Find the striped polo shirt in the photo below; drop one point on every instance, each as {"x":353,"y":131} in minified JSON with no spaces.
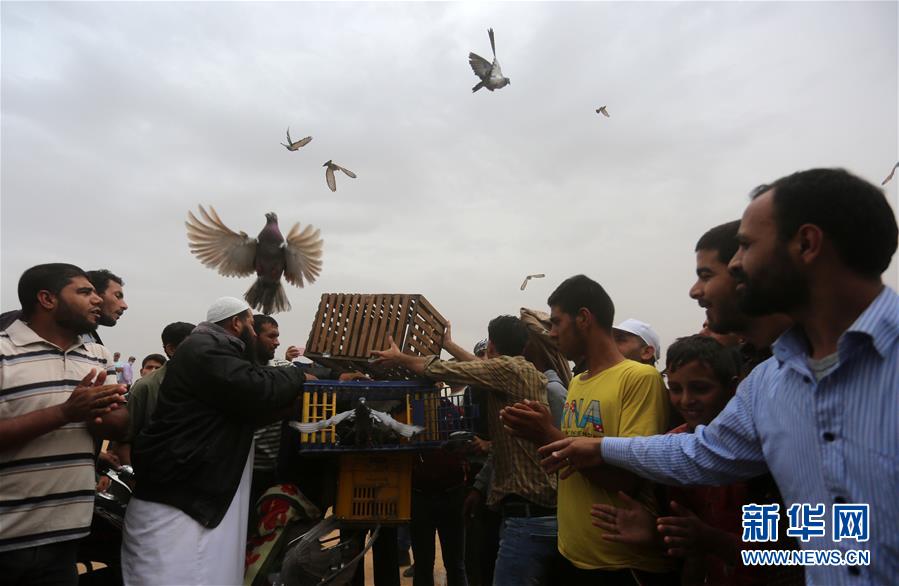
{"x":46,"y":485}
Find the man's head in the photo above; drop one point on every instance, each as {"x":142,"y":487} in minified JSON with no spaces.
{"x":579,"y":307}
{"x":267,"y":333}
{"x":638,"y":341}
{"x":131,"y":359}
{"x":235,"y":317}
{"x":173,"y":334}
{"x":805,"y":226}
{"x":150,"y":363}
{"x":702,"y":377}
{"x":506,"y":336}
{"x":59,"y":293}
{"x":116,"y":356}
{"x":109,"y":288}
{"x":715,"y":287}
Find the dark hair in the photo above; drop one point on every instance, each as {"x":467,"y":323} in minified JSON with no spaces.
{"x":175,"y":332}
{"x":100,"y":280}
{"x":260,"y":320}
{"x":580,"y":291}
{"x":52,"y":277}
{"x":722,"y":239}
{"x":853,"y":213}
{"x":508,"y":334}
{"x":155,"y":357}
{"x":723,"y":361}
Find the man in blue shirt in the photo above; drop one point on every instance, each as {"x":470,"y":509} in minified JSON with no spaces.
{"x":823,"y":413}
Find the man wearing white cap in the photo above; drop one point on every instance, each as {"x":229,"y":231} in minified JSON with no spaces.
{"x":187,"y":522}
{"x":638,"y":341}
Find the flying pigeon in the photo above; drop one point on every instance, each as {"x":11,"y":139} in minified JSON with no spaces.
{"x":529,"y":277}
{"x":491,"y":75}
{"x":890,"y":176}
{"x":602,"y":110}
{"x":329,"y":174}
{"x":292,"y":146}
{"x":269,"y":255}
{"x":366,"y":419}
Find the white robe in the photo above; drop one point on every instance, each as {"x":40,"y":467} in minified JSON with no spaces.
{"x":163,"y":546}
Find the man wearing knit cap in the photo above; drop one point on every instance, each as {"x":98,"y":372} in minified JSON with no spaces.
{"x":638,"y":341}
{"x":187,"y":521}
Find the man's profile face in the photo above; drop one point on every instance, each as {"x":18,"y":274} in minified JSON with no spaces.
{"x":715,"y":290}
{"x":630,"y":345}
{"x":267,"y":342}
{"x":768,"y":280}
{"x":564,"y":332}
{"x":113,"y":304}
{"x":78,"y":306}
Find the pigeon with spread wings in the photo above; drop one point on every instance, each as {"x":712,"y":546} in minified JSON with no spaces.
{"x":603,"y":110}
{"x":490,"y":74}
{"x":365,"y":418}
{"x":269,"y":255}
{"x":329,"y":174}
{"x":890,"y":176}
{"x":529,"y":277}
{"x":292,"y":146}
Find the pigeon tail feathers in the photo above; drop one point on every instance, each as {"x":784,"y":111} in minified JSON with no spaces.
{"x":268,"y":298}
{"x":477,"y":87}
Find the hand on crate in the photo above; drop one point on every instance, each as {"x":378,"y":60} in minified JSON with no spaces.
{"x":392,"y":356}
{"x":292,"y":353}
{"x":355,"y":375}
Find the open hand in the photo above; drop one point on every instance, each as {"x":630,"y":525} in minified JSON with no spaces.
{"x":292,"y":353}
{"x":389,"y":357}
{"x":530,"y":420}
{"x":683,"y":532}
{"x":570,"y":455}
{"x":91,"y":399}
{"x":629,"y":523}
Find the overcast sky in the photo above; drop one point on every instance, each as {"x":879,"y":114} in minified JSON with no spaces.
{"x":119,"y":118}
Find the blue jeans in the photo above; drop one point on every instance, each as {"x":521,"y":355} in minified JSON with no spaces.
{"x":528,"y":551}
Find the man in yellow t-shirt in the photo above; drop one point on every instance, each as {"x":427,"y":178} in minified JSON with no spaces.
{"x":614,"y":397}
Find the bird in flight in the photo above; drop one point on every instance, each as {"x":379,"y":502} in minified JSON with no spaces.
{"x":490,"y":74}
{"x":602,"y":110}
{"x":890,"y":176}
{"x":292,"y":146}
{"x":269,"y":255}
{"x":329,"y":174}
{"x":529,"y":277}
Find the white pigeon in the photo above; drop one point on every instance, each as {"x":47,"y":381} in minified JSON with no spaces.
{"x":890,"y":176}
{"x":292,"y":146}
{"x":602,"y":110}
{"x":329,"y":174}
{"x":380,"y":417}
{"x":491,"y":75}
{"x":529,"y":277}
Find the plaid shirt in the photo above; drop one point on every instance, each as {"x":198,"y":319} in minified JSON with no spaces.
{"x":509,"y":380}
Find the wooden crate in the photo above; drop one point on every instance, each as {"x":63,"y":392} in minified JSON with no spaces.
{"x":348,"y":327}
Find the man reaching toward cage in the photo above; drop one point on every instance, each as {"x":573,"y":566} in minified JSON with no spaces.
{"x":523,"y":493}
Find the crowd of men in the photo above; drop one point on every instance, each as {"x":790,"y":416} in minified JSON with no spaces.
{"x":764,"y":428}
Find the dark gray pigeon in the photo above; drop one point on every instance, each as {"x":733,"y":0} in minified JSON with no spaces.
{"x":292,"y":146}
{"x":491,"y":75}
{"x":329,"y":174}
{"x":269,"y":255}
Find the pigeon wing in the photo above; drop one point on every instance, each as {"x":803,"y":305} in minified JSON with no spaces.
{"x":347,"y":172}
{"x":492,"y":42}
{"x":480,"y":66}
{"x":302,"y":142}
{"x":320,"y":425}
{"x":525,"y":283}
{"x":497,"y":72}
{"x":389,"y":422}
{"x":218,"y":247}
{"x":302,"y":255}
{"x":329,"y":177}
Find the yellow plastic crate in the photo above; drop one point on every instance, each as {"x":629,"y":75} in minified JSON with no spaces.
{"x":375,"y":488}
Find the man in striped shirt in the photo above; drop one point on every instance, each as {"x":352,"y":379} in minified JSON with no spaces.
{"x":821,"y":414}
{"x":53,"y":403}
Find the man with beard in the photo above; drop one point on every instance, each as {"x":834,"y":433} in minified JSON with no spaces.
{"x":53,"y":403}
{"x":187,"y":522}
{"x":821,"y":414}
{"x":715,"y":290}
{"x":109,"y":287}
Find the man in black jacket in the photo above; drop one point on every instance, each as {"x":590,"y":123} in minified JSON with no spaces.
{"x":187,"y":520}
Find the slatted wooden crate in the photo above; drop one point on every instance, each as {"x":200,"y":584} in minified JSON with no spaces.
{"x":348,"y":327}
